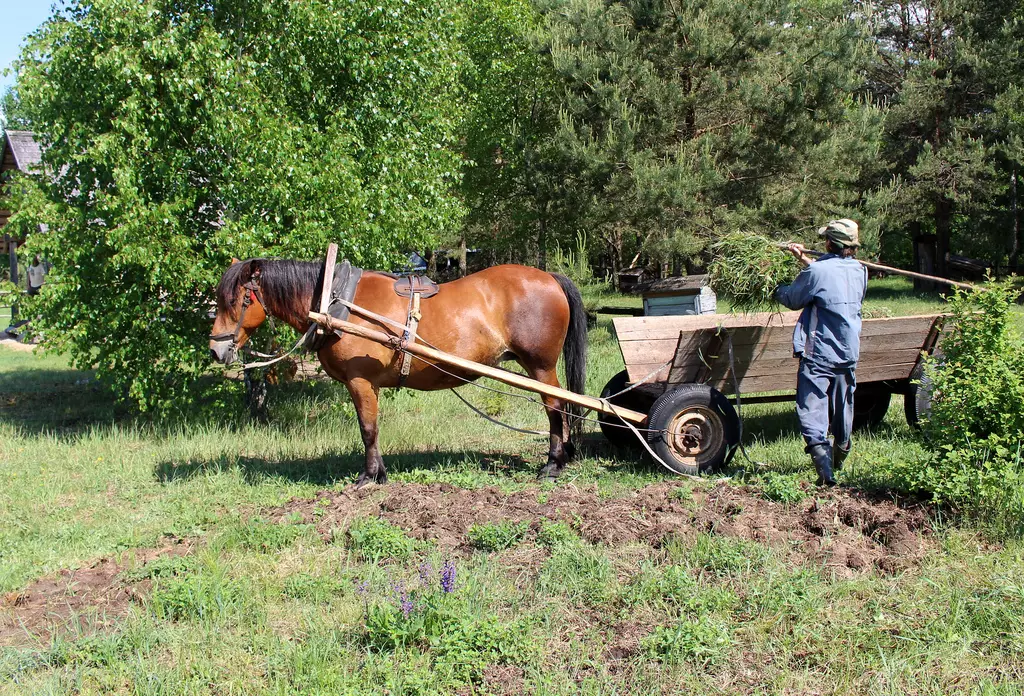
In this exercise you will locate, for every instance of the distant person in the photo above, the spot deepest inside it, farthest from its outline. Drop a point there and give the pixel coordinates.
(830, 292)
(36, 275)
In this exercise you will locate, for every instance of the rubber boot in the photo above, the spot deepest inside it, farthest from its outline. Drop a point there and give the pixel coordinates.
(822, 456)
(839, 455)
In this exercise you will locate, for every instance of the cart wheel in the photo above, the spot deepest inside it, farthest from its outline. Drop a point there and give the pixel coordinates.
(917, 402)
(870, 404)
(693, 428)
(612, 427)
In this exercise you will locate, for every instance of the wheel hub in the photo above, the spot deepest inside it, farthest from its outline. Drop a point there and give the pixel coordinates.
(695, 435)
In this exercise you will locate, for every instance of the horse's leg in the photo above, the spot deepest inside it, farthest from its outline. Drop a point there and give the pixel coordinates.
(364, 396)
(561, 449)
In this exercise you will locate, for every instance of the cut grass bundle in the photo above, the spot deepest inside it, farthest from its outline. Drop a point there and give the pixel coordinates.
(747, 268)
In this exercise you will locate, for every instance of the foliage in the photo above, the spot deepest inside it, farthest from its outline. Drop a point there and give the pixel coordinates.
(433, 616)
(702, 641)
(573, 262)
(317, 589)
(975, 428)
(578, 571)
(180, 134)
(675, 586)
(375, 539)
(747, 268)
(259, 535)
(202, 596)
(781, 488)
(722, 556)
(554, 534)
(12, 113)
(497, 536)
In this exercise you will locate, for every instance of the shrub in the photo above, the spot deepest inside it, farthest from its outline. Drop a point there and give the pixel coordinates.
(375, 539)
(975, 428)
(497, 536)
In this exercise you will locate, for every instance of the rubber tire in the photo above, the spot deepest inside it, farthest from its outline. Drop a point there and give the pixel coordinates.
(870, 404)
(689, 397)
(610, 425)
(917, 402)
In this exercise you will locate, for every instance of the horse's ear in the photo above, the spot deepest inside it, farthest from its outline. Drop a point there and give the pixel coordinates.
(235, 259)
(255, 267)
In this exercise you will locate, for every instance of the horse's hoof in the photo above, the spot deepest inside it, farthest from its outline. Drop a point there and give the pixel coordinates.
(549, 473)
(364, 481)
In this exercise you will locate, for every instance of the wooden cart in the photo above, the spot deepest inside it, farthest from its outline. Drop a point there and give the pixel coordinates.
(686, 370)
(682, 409)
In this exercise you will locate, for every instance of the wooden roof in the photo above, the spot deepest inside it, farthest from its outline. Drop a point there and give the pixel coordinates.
(21, 151)
(681, 285)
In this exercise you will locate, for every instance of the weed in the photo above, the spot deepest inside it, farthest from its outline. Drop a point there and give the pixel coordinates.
(198, 597)
(782, 488)
(702, 641)
(162, 567)
(675, 586)
(497, 536)
(375, 539)
(725, 556)
(317, 589)
(579, 572)
(552, 534)
(259, 535)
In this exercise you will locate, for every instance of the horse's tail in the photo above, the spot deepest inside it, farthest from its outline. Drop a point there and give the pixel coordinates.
(574, 350)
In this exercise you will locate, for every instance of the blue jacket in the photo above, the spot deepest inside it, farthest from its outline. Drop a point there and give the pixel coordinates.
(830, 291)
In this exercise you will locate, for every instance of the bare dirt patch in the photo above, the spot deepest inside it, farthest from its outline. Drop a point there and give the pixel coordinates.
(843, 531)
(90, 598)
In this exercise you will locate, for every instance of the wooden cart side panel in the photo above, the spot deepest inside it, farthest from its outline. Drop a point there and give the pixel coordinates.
(890, 347)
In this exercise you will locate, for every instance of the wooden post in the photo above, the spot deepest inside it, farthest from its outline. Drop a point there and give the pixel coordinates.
(328, 285)
(511, 378)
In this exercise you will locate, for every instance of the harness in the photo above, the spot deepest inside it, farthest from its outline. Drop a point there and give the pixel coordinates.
(415, 288)
(252, 295)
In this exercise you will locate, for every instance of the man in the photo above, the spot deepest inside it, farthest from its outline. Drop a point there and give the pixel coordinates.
(827, 341)
(36, 275)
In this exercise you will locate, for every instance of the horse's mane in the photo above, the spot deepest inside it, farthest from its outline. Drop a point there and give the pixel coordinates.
(283, 283)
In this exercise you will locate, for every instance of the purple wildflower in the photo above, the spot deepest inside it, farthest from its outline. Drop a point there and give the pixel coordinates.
(448, 577)
(426, 570)
(363, 588)
(405, 604)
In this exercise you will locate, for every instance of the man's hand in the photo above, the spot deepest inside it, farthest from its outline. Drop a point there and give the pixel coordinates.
(799, 251)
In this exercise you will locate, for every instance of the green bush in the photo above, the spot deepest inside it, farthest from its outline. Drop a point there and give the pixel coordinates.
(497, 536)
(375, 539)
(975, 428)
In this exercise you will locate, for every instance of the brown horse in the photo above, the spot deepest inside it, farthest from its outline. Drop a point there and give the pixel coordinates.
(502, 313)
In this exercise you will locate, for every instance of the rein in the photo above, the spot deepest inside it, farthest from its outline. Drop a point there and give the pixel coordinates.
(253, 296)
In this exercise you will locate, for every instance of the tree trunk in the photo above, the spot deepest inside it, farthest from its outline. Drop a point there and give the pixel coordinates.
(462, 257)
(943, 229)
(1015, 244)
(431, 264)
(542, 240)
(924, 257)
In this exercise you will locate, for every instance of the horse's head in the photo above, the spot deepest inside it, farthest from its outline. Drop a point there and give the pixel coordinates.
(240, 309)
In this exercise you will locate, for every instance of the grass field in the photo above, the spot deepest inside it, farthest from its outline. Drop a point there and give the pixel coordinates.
(216, 556)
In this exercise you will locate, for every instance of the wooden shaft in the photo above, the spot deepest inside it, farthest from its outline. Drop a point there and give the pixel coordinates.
(897, 271)
(476, 368)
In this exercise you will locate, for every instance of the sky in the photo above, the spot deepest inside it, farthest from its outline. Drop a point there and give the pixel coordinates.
(17, 19)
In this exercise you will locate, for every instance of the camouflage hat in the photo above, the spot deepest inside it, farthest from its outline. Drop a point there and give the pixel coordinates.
(843, 232)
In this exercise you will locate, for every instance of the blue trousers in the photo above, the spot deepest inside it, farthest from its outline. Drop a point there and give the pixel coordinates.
(824, 402)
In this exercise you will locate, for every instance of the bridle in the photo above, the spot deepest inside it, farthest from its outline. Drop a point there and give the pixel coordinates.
(252, 295)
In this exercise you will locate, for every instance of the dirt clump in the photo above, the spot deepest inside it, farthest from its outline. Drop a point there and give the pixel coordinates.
(92, 597)
(842, 531)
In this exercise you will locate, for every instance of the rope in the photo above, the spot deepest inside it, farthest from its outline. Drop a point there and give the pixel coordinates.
(486, 417)
(279, 358)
